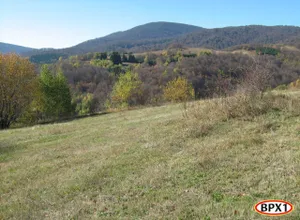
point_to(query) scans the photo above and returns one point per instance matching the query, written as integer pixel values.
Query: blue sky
(64, 23)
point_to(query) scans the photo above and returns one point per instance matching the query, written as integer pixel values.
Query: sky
(65, 23)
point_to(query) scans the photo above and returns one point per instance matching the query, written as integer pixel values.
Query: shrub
(267, 50)
(190, 55)
(244, 105)
(179, 90)
(205, 53)
(281, 87)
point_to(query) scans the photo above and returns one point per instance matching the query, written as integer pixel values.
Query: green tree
(115, 57)
(97, 55)
(18, 83)
(56, 98)
(124, 58)
(103, 56)
(131, 58)
(100, 56)
(116, 69)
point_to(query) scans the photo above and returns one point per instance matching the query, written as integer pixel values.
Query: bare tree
(256, 78)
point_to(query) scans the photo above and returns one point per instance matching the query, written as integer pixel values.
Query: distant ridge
(11, 48)
(221, 38)
(159, 35)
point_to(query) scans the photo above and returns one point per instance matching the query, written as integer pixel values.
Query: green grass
(149, 164)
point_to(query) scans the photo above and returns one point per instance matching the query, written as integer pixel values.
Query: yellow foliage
(126, 89)
(18, 83)
(295, 85)
(179, 90)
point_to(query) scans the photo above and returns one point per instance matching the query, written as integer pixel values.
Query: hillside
(221, 38)
(148, 164)
(11, 48)
(159, 35)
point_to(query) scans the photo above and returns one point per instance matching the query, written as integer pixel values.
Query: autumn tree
(127, 90)
(179, 90)
(17, 87)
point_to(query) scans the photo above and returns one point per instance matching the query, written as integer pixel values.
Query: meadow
(150, 163)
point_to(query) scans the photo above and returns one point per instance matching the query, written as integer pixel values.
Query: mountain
(11, 48)
(149, 36)
(159, 35)
(152, 32)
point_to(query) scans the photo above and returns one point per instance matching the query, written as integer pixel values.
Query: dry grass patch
(242, 106)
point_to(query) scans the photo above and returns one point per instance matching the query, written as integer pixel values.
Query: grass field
(149, 164)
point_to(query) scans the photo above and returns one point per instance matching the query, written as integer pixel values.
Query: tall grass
(201, 117)
(242, 106)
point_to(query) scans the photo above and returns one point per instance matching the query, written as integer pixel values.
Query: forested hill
(220, 38)
(159, 35)
(156, 36)
(11, 48)
(151, 31)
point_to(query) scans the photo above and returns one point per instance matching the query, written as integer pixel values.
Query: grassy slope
(143, 164)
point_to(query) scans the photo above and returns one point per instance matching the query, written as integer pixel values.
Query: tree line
(80, 85)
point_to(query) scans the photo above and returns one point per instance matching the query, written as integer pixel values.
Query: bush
(267, 50)
(179, 90)
(205, 53)
(190, 55)
(244, 105)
